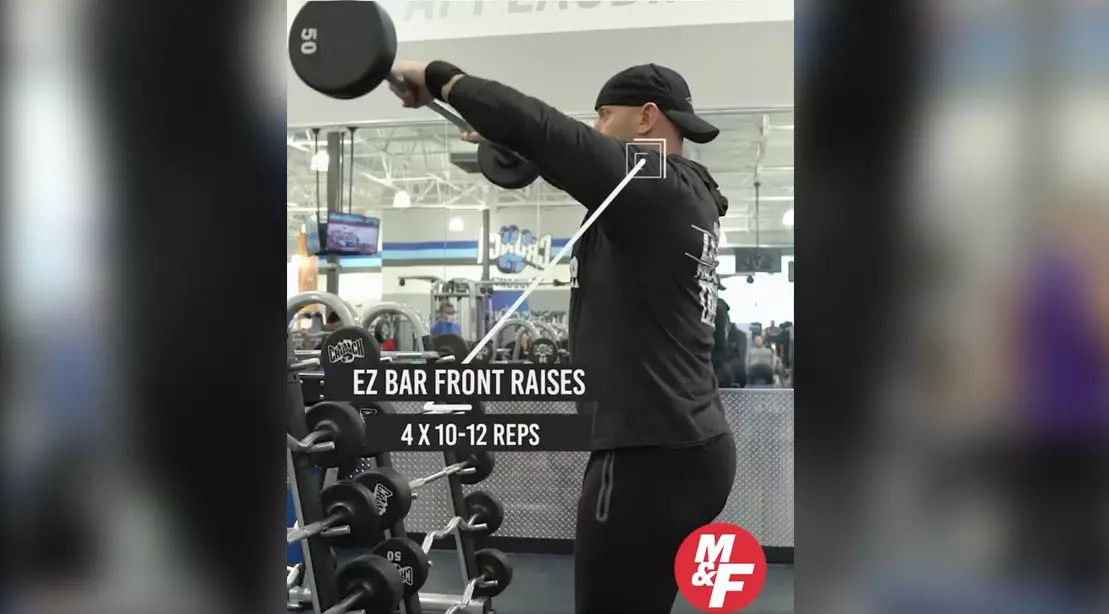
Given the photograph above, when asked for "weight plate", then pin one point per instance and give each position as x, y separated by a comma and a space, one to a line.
342, 48
492, 565
504, 168
483, 464
391, 493
488, 510
375, 578
370, 409
485, 356
346, 428
357, 503
543, 351
409, 559
350, 347
450, 344
382, 330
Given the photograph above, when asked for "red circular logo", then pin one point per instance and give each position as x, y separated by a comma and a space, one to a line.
720, 568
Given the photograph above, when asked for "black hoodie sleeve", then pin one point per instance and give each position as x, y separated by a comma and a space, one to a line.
585, 163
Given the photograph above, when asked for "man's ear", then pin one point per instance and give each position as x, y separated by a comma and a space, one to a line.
649, 115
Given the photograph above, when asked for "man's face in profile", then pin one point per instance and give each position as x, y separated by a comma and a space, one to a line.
622, 123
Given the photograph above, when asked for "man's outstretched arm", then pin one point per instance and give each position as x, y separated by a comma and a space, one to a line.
580, 160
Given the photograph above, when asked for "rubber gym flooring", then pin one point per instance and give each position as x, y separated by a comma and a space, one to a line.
543, 584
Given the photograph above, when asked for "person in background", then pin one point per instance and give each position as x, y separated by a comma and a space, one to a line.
445, 320
524, 339
760, 364
721, 351
333, 323
737, 364
772, 332
385, 342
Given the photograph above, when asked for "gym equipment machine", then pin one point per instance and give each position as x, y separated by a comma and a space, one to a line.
471, 300
408, 323
363, 343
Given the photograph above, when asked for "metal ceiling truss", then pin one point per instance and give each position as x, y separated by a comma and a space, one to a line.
416, 157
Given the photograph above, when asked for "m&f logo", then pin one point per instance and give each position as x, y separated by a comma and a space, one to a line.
346, 351
720, 568
513, 250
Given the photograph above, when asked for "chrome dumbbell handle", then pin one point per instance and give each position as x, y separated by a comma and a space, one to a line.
325, 527
308, 444
468, 594
454, 524
462, 468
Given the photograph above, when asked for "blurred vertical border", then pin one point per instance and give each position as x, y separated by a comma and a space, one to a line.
953, 419
143, 461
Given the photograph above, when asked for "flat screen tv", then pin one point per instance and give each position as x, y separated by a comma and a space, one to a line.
351, 234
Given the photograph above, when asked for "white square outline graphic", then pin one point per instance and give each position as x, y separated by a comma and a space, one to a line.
631, 156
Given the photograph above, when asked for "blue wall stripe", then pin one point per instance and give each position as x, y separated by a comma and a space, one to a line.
359, 261
431, 254
424, 250
419, 245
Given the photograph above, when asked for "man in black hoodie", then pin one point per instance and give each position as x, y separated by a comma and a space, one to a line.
642, 313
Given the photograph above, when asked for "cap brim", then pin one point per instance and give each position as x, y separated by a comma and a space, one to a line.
692, 127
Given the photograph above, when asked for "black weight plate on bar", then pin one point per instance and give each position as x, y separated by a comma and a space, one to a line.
504, 168
350, 347
493, 565
377, 579
347, 430
488, 509
483, 464
342, 48
543, 351
450, 344
409, 559
391, 492
357, 503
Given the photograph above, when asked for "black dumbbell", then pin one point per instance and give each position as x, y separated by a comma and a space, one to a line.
450, 344
370, 583
543, 351
393, 493
336, 434
345, 504
494, 571
345, 50
485, 515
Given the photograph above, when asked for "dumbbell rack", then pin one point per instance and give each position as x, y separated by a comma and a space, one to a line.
464, 540
305, 482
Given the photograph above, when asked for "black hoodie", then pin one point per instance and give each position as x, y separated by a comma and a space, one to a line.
643, 281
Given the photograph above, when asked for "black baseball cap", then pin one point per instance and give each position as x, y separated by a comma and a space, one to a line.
663, 86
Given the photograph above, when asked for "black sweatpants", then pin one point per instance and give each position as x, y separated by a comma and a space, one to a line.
636, 507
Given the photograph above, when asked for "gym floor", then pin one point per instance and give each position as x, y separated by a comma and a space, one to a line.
544, 584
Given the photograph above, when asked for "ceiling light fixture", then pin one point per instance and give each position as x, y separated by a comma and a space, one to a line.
787, 219
401, 200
